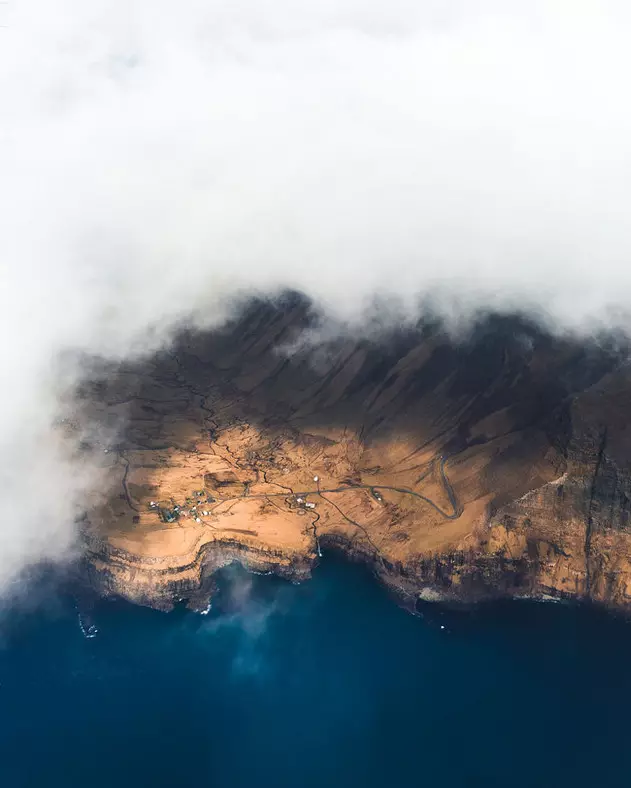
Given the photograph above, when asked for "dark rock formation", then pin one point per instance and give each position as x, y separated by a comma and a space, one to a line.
497, 465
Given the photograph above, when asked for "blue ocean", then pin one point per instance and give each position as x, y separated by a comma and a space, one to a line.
328, 683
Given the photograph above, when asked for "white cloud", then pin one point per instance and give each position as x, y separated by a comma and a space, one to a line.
158, 158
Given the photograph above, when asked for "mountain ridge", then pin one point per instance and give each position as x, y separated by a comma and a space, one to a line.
466, 470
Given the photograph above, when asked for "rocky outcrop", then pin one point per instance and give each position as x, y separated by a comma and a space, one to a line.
460, 471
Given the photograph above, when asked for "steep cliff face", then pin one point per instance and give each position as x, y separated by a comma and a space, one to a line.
573, 533
495, 466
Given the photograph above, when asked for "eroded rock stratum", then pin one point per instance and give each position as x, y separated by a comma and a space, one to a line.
499, 465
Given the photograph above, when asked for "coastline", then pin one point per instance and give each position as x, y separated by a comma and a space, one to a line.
113, 572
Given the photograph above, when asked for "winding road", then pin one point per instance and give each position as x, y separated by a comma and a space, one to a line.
457, 509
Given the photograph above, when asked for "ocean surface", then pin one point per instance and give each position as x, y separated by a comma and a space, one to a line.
324, 684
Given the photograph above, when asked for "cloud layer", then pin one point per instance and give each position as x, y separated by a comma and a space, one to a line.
160, 159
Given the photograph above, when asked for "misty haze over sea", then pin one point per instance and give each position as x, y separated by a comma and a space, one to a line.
322, 684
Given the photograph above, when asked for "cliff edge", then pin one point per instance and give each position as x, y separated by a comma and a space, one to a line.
495, 466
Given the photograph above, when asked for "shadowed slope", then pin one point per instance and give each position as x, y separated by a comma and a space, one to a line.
426, 457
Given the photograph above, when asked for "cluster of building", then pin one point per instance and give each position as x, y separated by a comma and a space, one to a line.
171, 515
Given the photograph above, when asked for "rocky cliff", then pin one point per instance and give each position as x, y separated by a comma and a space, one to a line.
497, 464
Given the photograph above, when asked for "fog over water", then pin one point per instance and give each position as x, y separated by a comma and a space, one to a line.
326, 683
161, 160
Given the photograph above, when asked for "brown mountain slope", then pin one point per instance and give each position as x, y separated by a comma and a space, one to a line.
494, 466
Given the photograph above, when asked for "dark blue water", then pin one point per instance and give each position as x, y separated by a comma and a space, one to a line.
324, 684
